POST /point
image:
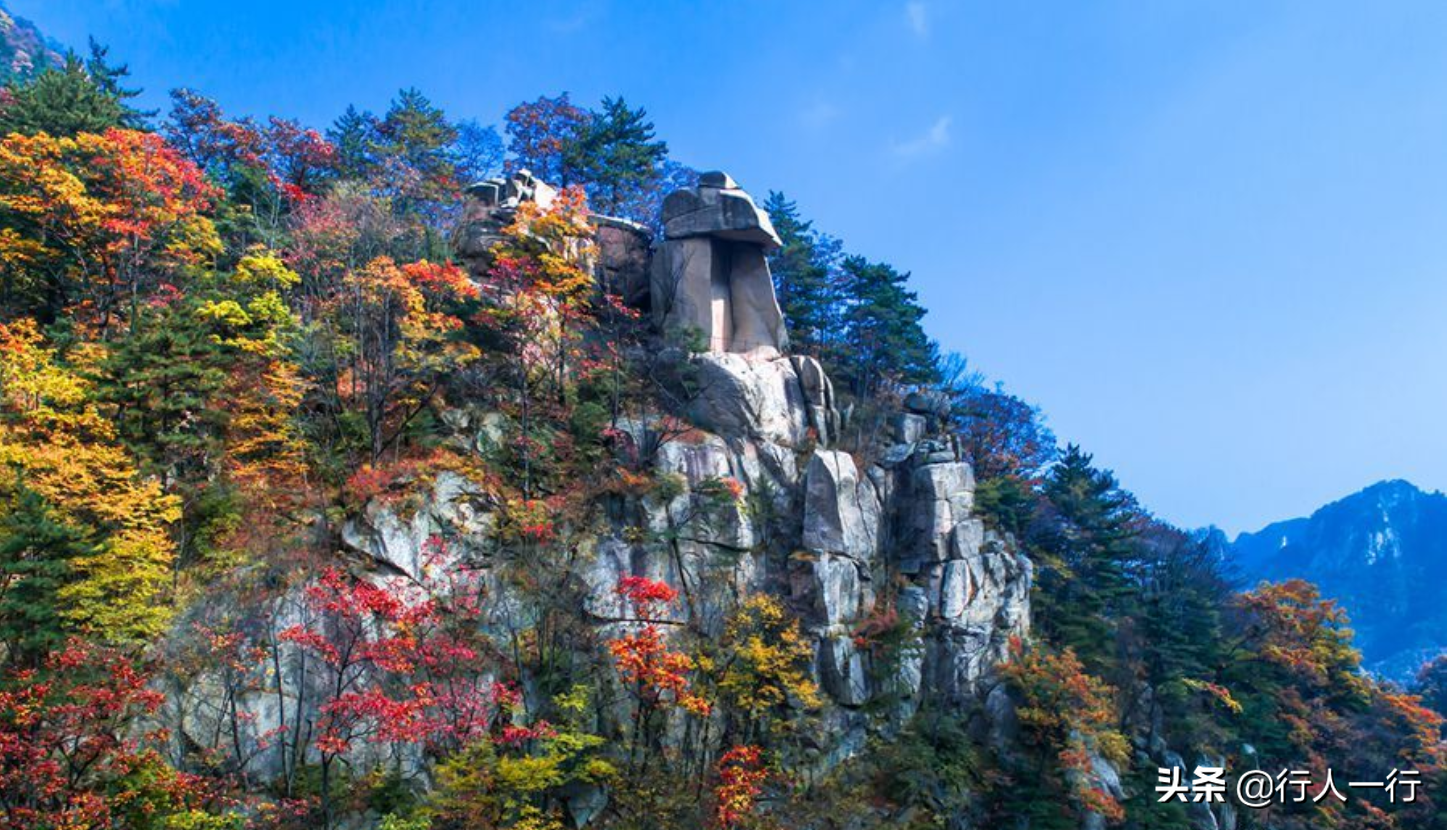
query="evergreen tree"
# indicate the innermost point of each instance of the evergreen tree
(887, 343)
(615, 154)
(36, 552)
(61, 102)
(415, 171)
(416, 133)
(354, 135)
(110, 79)
(1085, 544)
(803, 270)
(160, 381)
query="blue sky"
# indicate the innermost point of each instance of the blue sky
(1208, 238)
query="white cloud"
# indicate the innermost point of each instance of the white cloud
(936, 137)
(918, 16)
(818, 114)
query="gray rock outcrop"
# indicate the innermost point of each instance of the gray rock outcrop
(759, 499)
(710, 275)
(489, 207)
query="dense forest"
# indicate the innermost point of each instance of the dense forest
(223, 339)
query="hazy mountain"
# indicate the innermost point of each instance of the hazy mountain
(24, 50)
(1382, 553)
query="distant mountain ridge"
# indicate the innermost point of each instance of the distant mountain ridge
(1382, 553)
(24, 49)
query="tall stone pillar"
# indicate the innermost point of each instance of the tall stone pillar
(710, 276)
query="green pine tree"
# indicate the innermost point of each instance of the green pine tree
(803, 270)
(883, 320)
(161, 381)
(110, 79)
(36, 552)
(615, 153)
(62, 102)
(418, 134)
(354, 135)
(1085, 546)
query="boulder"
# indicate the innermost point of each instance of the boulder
(943, 496)
(835, 590)
(400, 542)
(818, 398)
(930, 403)
(842, 671)
(717, 208)
(699, 517)
(489, 207)
(957, 589)
(743, 397)
(908, 428)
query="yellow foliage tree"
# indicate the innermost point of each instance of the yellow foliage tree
(765, 665)
(61, 447)
(96, 222)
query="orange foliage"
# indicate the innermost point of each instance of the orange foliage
(741, 775)
(642, 658)
(93, 220)
(1067, 710)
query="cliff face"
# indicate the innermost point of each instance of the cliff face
(838, 542)
(849, 546)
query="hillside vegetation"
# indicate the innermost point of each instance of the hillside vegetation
(306, 523)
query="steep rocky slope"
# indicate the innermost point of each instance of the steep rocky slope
(1380, 552)
(847, 544)
(24, 50)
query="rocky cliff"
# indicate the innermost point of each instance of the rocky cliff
(849, 545)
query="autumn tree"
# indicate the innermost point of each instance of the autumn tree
(1305, 704)
(69, 751)
(98, 223)
(222, 147)
(268, 170)
(741, 775)
(536, 307)
(59, 445)
(204, 391)
(398, 661)
(264, 450)
(1431, 684)
(478, 152)
(764, 669)
(1067, 717)
(654, 675)
(539, 135)
(1003, 436)
(395, 341)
